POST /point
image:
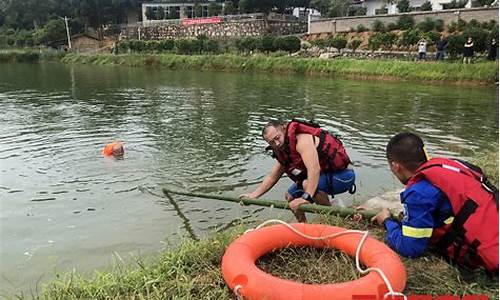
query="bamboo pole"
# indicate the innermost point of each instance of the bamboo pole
(282, 204)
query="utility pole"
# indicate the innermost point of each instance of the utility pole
(67, 31)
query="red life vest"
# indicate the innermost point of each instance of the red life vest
(471, 240)
(331, 153)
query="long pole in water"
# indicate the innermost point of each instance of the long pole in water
(282, 204)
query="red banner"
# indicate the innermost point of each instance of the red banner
(212, 20)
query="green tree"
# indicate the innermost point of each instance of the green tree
(404, 6)
(213, 9)
(244, 6)
(229, 8)
(323, 6)
(198, 10)
(405, 22)
(55, 30)
(160, 13)
(426, 6)
(339, 8)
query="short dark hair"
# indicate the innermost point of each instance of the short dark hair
(407, 149)
(272, 123)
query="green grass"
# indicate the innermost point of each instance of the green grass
(192, 271)
(452, 73)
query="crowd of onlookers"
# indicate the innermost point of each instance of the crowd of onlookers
(468, 51)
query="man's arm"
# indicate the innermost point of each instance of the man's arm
(267, 183)
(307, 150)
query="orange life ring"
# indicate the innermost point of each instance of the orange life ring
(239, 269)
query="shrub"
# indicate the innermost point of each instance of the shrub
(426, 6)
(479, 36)
(409, 38)
(378, 26)
(289, 44)
(474, 23)
(185, 46)
(427, 25)
(211, 46)
(439, 25)
(321, 43)
(490, 25)
(339, 42)
(375, 41)
(266, 44)
(354, 44)
(361, 28)
(392, 26)
(431, 36)
(455, 45)
(388, 40)
(461, 24)
(405, 22)
(166, 45)
(452, 27)
(356, 11)
(249, 44)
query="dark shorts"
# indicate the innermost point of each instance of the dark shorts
(332, 183)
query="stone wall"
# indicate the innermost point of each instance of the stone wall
(220, 30)
(345, 24)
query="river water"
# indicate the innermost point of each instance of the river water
(63, 206)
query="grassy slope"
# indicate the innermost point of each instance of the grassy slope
(193, 270)
(453, 73)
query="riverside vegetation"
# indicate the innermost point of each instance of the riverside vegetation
(192, 270)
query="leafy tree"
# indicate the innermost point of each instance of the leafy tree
(426, 6)
(404, 6)
(55, 30)
(455, 44)
(244, 6)
(375, 41)
(150, 13)
(361, 28)
(357, 11)
(197, 10)
(213, 9)
(323, 6)
(267, 44)
(228, 8)
(339, 8)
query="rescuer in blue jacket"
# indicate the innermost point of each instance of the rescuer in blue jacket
(425, 206)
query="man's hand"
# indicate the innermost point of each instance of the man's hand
(246, 196)
(295, 203)
(381, 216)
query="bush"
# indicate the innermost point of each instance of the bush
(361, 28)
(375, 41)
(480, 37)
(321, 43)
(378, 26)
(339, 42)
(388, 40)
(431, 36)
(247, 44)
(185, 46)
(426, 6)
(474, 23)
(405, 22)
(439, 25)
(455, 45)
(427, 25)
(266, 44)
(211, 46)
(490, 25)
(392, 26)
(354, 44)
(166, 45)
(289, 44)
(409, 38)
(452, 27)
(461, 24)
(356, 11)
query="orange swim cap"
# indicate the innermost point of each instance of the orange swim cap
(108, 148)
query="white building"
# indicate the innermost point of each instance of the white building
(373, 6)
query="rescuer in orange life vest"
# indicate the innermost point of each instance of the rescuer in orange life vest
(449, 206)
(114, 149)
(312, 157)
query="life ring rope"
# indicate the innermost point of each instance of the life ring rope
(391, 291)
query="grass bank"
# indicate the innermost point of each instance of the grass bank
(192, 271)
(482, 73)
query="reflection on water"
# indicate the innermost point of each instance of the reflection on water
(64, 206)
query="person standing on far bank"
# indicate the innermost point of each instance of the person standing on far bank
(314, 159)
